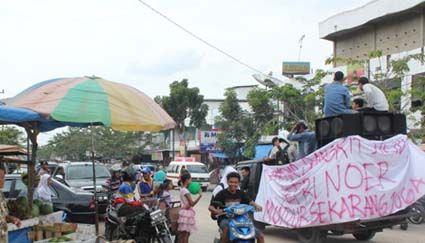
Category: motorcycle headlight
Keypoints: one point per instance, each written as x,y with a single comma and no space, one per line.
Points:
157,215
123,219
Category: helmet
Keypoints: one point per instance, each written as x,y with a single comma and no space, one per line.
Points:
146,170
115,168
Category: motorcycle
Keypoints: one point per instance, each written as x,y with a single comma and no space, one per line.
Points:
147,225
241,228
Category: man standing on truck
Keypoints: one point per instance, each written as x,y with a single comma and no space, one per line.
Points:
272,157
246,185
306,139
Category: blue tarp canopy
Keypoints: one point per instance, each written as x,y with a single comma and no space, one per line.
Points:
14,115
219,155
262,151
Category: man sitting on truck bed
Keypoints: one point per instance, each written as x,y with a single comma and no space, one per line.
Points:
228,197
375,98
337,97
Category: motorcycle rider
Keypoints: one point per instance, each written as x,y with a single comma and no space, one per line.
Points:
146,184
228,197
129,205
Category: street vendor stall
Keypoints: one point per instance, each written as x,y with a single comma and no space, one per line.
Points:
81,102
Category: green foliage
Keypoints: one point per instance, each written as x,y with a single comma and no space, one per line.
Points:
183,103
261,106
11,135
237,125
76,144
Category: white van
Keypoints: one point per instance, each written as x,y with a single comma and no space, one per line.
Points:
198,171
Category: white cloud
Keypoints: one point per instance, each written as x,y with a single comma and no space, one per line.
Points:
126,42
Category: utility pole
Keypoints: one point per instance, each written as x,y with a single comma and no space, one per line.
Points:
300,42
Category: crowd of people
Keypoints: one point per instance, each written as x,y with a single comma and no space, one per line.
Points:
233,189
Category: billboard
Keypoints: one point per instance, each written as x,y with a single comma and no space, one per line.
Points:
208,141
295,68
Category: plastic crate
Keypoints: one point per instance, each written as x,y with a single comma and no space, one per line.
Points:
19,235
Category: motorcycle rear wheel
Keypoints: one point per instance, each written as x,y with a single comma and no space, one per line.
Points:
116,234
109,228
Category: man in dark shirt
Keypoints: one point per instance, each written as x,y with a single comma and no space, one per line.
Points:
228,197
246,186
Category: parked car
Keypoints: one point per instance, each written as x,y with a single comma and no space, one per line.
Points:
14,187
80,174
78,204
140,167
198,171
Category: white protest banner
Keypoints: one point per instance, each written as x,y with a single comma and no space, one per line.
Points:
349,179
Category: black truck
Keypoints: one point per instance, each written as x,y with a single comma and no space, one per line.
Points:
370,125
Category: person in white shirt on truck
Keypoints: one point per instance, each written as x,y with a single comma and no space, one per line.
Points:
375,97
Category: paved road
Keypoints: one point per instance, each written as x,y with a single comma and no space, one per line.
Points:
208,230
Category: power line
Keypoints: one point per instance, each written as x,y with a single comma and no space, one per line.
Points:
201,39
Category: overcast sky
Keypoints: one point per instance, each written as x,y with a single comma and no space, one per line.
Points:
123,41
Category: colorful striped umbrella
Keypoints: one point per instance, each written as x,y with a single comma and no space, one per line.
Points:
93,100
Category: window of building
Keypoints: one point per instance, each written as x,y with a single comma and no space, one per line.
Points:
418,90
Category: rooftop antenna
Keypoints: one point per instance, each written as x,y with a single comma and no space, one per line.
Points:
300,42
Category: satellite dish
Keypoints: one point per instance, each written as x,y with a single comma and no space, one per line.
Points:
269,81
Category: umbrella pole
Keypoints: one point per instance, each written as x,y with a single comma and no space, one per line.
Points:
32,134
96,217
174,143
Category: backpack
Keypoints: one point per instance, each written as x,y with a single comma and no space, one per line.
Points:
282,157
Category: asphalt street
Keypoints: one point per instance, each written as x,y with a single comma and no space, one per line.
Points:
207,230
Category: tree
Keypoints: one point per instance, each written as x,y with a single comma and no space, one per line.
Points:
76,144
11,135
237,125
184,104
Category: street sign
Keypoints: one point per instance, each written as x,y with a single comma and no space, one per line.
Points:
295,68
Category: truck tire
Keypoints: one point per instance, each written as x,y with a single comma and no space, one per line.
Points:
417,214
311,235
364,235
404,226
